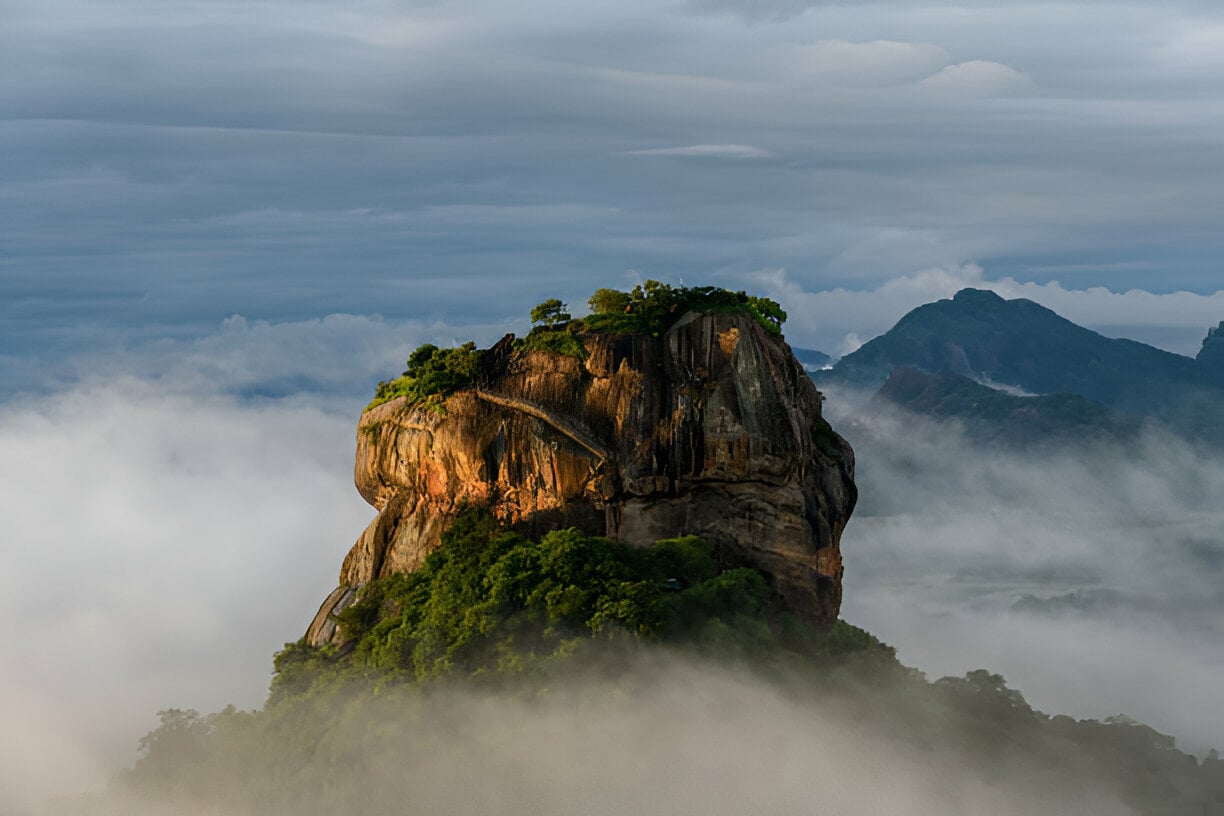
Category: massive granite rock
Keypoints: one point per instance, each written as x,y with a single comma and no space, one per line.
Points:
712,429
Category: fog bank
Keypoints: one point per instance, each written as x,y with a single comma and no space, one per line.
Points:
1089,577
679,737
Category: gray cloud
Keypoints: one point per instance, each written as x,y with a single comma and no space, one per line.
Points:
160,544
178,164
773,10
679,736
702,151
1090,578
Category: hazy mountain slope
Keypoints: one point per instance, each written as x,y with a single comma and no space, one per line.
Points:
811,359
981,336
996,417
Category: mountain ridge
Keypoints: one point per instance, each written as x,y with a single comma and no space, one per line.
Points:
983,337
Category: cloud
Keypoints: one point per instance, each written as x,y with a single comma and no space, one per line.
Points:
977,78
705,151
676,735
184,163
772,10
339,357
161,542
1087,577
844,63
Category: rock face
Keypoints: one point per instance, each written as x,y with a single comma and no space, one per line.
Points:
1211,355
712,429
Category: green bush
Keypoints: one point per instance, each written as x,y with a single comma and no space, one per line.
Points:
651,308
555,340
432,375
551,312
489,601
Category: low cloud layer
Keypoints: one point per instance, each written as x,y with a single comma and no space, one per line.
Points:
1090,578
686,737
160,545
178,514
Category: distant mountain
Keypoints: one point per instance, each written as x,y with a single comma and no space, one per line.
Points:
996,417
1017,343
811,359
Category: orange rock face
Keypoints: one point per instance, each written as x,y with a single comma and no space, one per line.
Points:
712,429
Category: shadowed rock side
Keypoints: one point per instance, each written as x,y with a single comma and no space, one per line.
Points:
1211,355
712,430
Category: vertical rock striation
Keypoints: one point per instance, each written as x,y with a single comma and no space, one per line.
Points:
712,430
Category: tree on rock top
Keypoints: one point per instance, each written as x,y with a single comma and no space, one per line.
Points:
551,312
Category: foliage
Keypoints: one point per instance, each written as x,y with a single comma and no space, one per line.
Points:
168,752
652,307
432,375
608,301
489,601
649,308
551,312
558,340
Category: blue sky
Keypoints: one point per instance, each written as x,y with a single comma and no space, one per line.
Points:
222,222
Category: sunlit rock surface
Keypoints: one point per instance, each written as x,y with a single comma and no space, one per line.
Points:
713,429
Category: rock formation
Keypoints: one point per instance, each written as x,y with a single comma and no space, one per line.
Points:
1211,355
712,429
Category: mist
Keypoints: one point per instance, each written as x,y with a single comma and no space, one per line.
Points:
675,735
177,514
159,546
1089,576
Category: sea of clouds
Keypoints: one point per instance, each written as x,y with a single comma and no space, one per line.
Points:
177,514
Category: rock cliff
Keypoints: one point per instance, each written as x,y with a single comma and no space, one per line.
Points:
712,429
1211,355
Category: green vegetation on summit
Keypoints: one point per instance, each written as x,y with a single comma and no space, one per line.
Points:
651,308
432,375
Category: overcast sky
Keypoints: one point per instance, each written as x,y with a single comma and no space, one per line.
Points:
169,164
222,222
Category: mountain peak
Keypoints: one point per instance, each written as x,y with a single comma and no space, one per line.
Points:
969,295
1018,343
